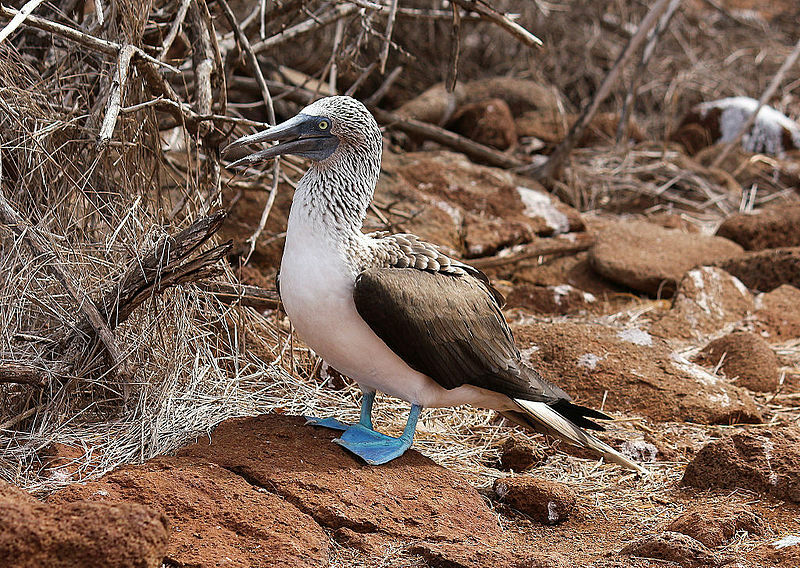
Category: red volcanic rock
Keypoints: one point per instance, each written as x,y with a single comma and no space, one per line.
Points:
517,454
218,518
547,502
715,524
673,547
772,228
778,313
652,259
487,122
41,535
633,372
562,299
768,462
410,497
707,299
746,358
765,270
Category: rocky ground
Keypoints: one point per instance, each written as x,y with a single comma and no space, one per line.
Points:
690,340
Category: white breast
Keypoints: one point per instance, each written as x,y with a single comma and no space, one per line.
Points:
316,285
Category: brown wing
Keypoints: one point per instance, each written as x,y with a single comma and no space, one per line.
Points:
449,327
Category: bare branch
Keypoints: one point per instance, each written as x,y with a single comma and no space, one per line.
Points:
115,95
570,243
490,14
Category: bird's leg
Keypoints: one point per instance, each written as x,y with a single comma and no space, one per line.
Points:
365,420
376,448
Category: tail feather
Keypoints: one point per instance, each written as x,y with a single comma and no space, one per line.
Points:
564,420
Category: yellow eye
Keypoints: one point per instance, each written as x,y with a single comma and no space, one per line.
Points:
323,125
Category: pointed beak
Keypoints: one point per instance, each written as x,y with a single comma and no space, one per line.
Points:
299,135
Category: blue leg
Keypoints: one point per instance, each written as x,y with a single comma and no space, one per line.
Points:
376,448
365,420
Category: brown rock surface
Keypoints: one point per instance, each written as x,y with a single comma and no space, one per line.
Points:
715,524
218,518
772,228
746,358
550,126
652,259
487,122
545,501
410,497
41,535
517,454
778,312
767,269
767,462
471,209
707,300
673,547
635,372
562,299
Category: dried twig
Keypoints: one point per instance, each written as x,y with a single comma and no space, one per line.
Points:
242,295
17,20
22,373
474,150
115,95
387,42
336,13
174,29
765,96
552,167
455,49
566,244
490,14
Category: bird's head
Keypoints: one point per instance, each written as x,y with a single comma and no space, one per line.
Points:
317,132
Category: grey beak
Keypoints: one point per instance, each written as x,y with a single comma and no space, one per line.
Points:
301,137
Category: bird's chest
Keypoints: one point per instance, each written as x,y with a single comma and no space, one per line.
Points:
316,283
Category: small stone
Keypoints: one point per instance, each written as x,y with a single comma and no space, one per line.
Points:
714,524
772,228
673,547
767,462
652,259
778,313
518,455
547,502
746,359
765,270
487,122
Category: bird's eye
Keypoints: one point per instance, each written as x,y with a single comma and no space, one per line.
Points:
323,125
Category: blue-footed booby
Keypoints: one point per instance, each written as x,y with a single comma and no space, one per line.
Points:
392,312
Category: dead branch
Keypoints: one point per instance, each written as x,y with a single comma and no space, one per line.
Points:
552,167
489,14
174,29
115,95
565,244
17,20
765,96
22,373
387,42
242,295
647,53
336,13
472,149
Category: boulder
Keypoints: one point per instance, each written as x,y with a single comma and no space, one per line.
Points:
470,209
631,371
547,502
707,300
83,533
778,313
673,547
771,228
487,122
409,498
551,126
745,358
765,270
766,462
218,518
714,524
652,259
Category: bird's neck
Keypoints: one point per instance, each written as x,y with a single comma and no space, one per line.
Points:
333,196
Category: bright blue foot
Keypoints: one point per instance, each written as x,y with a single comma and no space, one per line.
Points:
376,448
327,423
